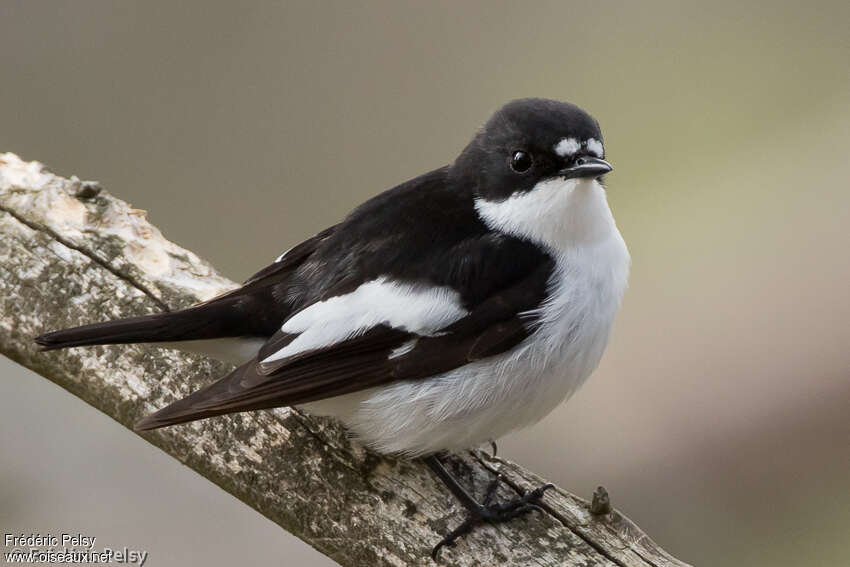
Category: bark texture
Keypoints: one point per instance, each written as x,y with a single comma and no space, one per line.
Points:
72,254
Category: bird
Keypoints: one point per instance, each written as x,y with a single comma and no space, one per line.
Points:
441,314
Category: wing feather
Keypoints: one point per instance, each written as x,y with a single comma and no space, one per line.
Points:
366,360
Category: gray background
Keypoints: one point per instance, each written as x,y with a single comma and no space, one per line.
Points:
718,419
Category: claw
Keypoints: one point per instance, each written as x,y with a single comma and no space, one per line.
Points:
449,541
478,513
538,492
490,513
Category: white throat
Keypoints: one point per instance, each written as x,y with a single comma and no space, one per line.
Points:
557,213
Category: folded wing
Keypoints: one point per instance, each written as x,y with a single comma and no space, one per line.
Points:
376,334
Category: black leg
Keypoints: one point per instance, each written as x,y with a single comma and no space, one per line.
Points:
480,513
451,483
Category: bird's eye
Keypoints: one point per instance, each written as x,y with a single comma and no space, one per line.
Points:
521,161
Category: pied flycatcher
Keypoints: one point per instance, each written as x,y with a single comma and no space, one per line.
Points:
461,305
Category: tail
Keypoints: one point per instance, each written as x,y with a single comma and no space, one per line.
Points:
205,321
227,395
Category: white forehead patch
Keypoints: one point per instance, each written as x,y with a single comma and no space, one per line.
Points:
594,146
571,146
567,147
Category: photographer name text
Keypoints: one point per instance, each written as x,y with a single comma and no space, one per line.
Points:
68,548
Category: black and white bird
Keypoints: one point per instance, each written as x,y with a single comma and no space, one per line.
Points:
463,304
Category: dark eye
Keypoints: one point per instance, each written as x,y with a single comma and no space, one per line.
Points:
521,161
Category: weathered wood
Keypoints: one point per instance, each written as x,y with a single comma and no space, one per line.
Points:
72,254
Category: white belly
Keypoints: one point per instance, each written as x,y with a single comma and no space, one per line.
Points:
486,399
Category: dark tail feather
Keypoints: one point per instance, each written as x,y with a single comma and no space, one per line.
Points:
221,397
133,330
206,321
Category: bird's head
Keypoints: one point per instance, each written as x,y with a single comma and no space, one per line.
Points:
529,141
529,164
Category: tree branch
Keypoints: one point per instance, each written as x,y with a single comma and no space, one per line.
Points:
72,254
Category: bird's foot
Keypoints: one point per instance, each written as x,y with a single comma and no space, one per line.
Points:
490,513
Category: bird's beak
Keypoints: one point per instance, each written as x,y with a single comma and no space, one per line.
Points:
586,167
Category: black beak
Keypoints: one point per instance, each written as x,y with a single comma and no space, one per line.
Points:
586,167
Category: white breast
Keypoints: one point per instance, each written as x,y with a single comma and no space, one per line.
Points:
486,399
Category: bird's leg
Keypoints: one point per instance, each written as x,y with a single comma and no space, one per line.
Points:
479,513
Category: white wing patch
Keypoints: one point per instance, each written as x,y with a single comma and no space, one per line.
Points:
567,147
419,309
403,349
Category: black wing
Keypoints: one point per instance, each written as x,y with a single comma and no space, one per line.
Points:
425,233
495,324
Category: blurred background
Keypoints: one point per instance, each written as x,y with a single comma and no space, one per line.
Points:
718,419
